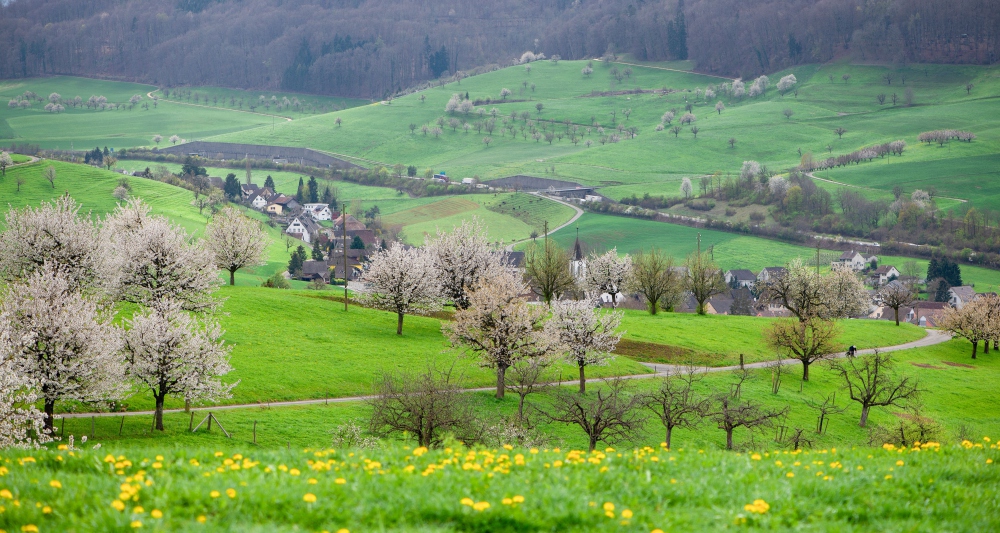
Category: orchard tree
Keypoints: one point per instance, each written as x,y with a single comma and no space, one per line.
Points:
788,113
840,132
611,415
236,240
730,414
54,234
655,278
504,93
22,425
50,175
402,281
462,258
720,107
499,326
547,269
169,351
675,402
808,341
587,336
806,295
64,342
174,139
871,381
896,295
976,321
607,273
151,261
686,188
704,279
157,139
5,161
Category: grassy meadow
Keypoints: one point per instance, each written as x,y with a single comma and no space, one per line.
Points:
930,487
228,98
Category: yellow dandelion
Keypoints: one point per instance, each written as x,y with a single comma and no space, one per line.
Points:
6,494
156,513
518,499
989,461
609,514
309,498
214,494
340,481
888,476
231,493
55,484
627,513
343,530
202,519
899,463
608,506
30,528
467,501
136,524
312,481
507,501
46,510
138,509
218,454
118,505
755,457
481,506
790,474
157,465
657,530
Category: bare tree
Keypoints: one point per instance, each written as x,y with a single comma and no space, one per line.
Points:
676,404
463,257
871,381
968,87
588,337
880,97
655,278
896,295
64,343
676,130
788,113
426,406
840,132
499,326
730,413
50,175
612,414
526,377
607,273
694,131
547,268
732,142
808,341
402,281
826,408
236,240
169,351
704,279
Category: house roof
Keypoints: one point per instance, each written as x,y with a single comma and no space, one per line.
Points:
742,274
353,224
315,267
964,293
928,306
281,199
775,270
849,255
721,304
308,223
512,259
884,269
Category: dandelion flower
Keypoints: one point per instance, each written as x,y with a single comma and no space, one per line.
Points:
46,510
899,463
790,474
481,506
294,472
627,513
343,530
518,499
309,498
30,528
467,501
156,513
136,524
888,476
6,494
507,501
118,505
231,493
214,494
608,506
55,484
657,530
138,509
609,514
201,519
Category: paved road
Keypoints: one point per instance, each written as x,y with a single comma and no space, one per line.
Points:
578,213
933,337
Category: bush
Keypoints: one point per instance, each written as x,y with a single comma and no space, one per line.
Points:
277,281
757,216
730,212
703,205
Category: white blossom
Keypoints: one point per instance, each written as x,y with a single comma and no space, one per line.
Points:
61,340
21,424
463,257
403,281
587,336
686,187
787,82
236,240
921,198
608,273
171,352
778,186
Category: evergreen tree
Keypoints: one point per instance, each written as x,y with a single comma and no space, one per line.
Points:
269,182
300,193
313,190
232,187
317,252
357,243
295,263
941,294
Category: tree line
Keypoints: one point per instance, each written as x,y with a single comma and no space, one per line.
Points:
373,49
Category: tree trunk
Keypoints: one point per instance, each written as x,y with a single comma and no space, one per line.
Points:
986,346
501,374
232,276
520,409
158,415
864,415
897,316
593,442
975,346
669,431
805,370
399,323
729,439
583,379
50,407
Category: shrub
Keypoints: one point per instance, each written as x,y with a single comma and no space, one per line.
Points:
730,211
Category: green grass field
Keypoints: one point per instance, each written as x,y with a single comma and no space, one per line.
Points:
227,98
930,488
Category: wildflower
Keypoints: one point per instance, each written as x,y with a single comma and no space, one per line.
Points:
608,506
899,463
46,510
758,506
156,513
518,499
218,454
118,505
55,484
312,481
136,524
467,501
30,528
989,461
157,465
231,493
294,472
201,519
138,509
340,481
343,530
790,474
6,494
657,530
481,506
888,476
214,494
420,451
627,513
309,498
507,501
755,457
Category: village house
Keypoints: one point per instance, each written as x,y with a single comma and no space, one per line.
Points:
303,227
313,270
740,278
249,191
318,211
959,296
883,274
352,224
850,260
282,205
258,202
769,273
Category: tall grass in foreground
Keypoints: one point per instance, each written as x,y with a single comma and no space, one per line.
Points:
927,487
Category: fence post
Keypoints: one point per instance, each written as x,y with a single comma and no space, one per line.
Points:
191,423
122,426
209,421
255,432
741,361
93,421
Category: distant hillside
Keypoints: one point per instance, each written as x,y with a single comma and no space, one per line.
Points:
373,48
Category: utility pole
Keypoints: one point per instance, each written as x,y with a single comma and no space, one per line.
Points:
248,168
343,230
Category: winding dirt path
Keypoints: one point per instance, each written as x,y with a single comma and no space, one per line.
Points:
933,337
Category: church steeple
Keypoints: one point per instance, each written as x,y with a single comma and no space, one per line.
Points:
577,249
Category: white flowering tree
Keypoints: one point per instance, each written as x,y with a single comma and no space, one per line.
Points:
21,424
53,233
236,241
607,273
157,139
786,83
587,336
686,187
5,161
171,352
463,257
151,261
174,139
499,326
63,342
403,281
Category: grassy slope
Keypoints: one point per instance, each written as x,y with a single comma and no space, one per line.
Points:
92,188
938,488
84,128
223,94
654,161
